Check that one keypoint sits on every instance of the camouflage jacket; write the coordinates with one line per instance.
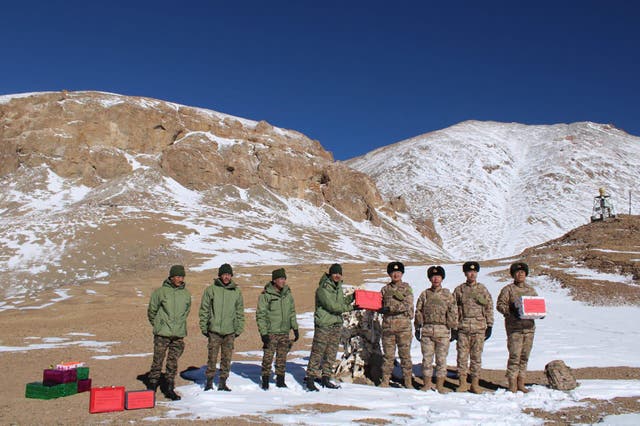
(399, 299)
(436, 312)
(508, 300)
(475, 307)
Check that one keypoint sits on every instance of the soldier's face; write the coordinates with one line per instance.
(436, 281)
(177, 281)
(279, 283)
(471, 276)
(336, 277)
(520, 276)
(225, 278)
(396, 276)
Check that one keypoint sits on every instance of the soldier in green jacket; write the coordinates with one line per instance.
(221, 321)
(168, 310)
(276, 317)
(331, 303)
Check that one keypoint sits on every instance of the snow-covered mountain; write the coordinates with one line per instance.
(95, 183)
(492, 189)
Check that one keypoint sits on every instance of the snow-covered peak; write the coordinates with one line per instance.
(493, 189)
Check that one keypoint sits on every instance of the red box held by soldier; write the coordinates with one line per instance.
(532, 307)
(367, 299)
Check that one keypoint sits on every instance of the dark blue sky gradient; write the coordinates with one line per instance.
(355, 75)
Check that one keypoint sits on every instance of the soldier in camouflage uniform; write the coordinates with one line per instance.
(331, 303)
(397, 313)
(520, 332)
(276, 317)
(436, 315)
(475, 322)
(168, 310)
(221, 321)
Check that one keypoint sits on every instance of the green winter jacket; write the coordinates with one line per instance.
(222, 309)
(276, 312)
(331, 302)
(168, 310)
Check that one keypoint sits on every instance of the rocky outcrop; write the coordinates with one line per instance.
(95, 137)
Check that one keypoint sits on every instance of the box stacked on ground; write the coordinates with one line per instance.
(109, 398)
(140, 399)
(51, 377)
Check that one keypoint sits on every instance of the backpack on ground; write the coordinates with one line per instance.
(560, 376)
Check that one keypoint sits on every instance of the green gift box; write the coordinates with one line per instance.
(83, 373)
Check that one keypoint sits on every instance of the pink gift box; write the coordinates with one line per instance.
(51, 377)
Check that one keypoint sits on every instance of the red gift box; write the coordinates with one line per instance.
(139, 399)
(51, 377)
(532, 307)
(367, 299)
(84, 385)
(108, 398)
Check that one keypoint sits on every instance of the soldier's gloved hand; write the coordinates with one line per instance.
(265, 339)
(417, 334)
(487, 332)
(513, 310)
(205, 333)
(384, 310)
(357, 308)
(237, 335)
(296, 335)
(454, 335)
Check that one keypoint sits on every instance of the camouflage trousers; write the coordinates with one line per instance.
(279, 345)
(402, 339)
(469, 347)
(324, 350)
(223, 344)
(519, 344)
(172, 347)
(438, 346)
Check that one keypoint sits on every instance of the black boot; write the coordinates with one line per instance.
(222, 385)
(152, 385)
(171, 394)
(311, 386)
(326, 383)
(265, 382)
(280, 382)
(209, 385)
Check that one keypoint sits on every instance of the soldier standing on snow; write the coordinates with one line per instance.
(221, 321)
(520, 332)
(436, 315)
(397, 313)
(168, 310)
(331, 303)
(276, 317)
(475, 322)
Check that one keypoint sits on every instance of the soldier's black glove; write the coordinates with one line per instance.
(487, 332)
(357, 308)
(205, 333)
(454, 335)
(296, 335)
(265, 339)
(417, 334)
(384, 310)
(513, 310)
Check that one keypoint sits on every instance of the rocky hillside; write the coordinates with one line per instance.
(599, 262)
(95, 183)
(493, 189)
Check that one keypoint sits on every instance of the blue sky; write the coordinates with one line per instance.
(355, 75)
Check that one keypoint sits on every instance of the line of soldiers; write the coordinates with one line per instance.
(441, 317)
